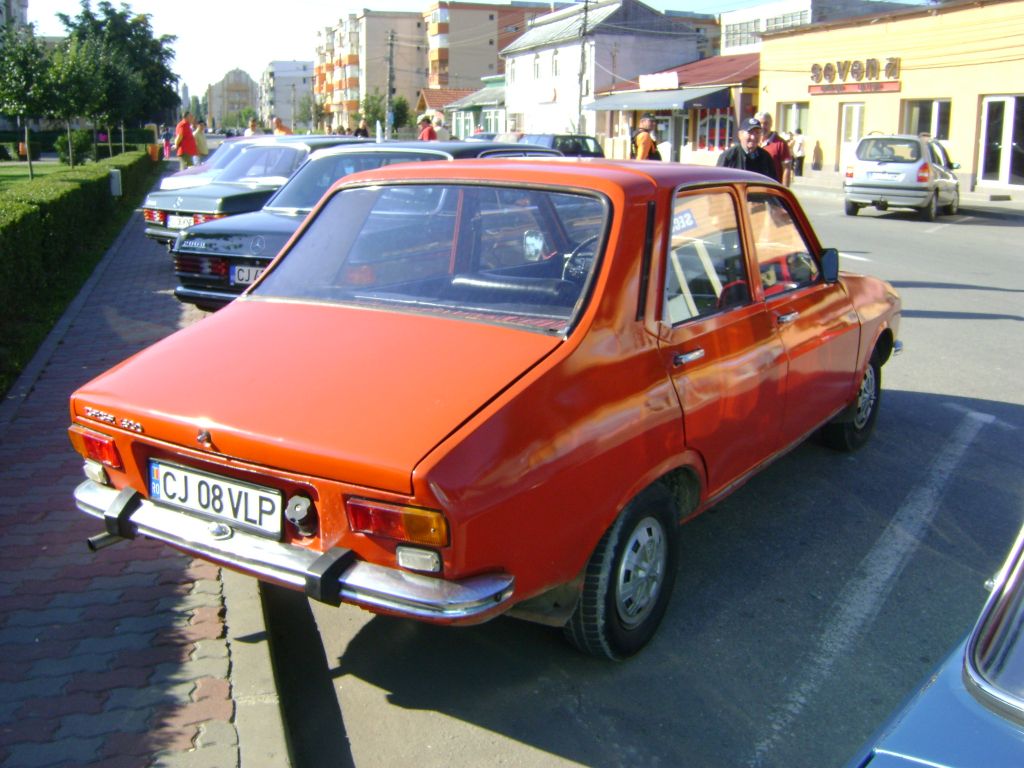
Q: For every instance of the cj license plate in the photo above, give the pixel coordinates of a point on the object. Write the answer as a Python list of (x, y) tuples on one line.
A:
[(241, 505), (245, 275), (179, 222), (882, 175)]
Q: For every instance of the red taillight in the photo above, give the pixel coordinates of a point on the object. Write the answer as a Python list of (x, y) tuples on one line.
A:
[(849, 171), (202, 218), (95, 446), (154, 216), (924, 173), (418, 526), (200, 265)]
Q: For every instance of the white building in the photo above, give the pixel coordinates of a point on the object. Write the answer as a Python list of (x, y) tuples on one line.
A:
[(554, 69), (286, 91), (13, 12)]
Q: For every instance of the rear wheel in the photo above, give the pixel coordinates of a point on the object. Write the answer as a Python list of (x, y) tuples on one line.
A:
[(629, 580), (930, 210), (851, 208), (854, 426)]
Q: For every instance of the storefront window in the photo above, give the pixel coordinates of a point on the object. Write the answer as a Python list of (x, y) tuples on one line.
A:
[(929, 116), (793, 115), (714, 129)]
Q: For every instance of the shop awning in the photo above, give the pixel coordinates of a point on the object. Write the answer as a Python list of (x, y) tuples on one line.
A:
[(675, 99)]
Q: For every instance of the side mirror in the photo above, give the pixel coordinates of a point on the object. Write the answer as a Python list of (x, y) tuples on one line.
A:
[(830, 265), (955, 166)]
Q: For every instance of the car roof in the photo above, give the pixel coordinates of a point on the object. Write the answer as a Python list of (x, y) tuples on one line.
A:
[(582, 172), (454, 148)]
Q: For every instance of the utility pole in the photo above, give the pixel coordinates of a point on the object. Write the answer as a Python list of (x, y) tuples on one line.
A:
[(583, 66), (388, 117)]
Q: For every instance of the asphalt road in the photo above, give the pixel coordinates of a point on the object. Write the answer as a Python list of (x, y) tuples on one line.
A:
[(808, 604)]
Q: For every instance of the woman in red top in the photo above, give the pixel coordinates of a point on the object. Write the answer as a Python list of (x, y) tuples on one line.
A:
[(184, 141), (427, 132)]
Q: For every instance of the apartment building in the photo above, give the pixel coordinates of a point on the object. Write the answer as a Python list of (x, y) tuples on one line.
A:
[(286, 91), (226, 98)]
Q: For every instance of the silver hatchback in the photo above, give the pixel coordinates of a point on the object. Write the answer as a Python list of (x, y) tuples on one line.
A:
[(902, 172)]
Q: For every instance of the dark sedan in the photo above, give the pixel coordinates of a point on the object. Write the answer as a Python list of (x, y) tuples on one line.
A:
[(218, 260), (245, 184)]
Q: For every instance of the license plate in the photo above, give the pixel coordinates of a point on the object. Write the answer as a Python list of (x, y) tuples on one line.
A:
[(245, 275), (241, 505), (886, 176), (179, 222)]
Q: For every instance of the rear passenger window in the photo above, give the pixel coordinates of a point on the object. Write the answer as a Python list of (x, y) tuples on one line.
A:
[(705, 271)]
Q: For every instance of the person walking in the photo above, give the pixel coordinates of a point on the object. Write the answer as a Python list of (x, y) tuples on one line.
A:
[(253, 129), (362, 131), (798, 152), (645, 147), (776, 148), (202, 147), (427, 132), (747, 153), (184, 141)]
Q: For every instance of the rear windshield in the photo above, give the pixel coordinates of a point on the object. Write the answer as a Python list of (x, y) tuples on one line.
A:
[(483, 253), (889, 150), (255, 163)]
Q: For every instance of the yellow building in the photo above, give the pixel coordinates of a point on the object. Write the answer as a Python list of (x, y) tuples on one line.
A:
[(952, 70)]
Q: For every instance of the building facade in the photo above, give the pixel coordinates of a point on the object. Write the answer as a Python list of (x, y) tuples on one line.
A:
[(229, 97), (554, 70), (364, 53), (13, 12), (952, 71), (286, 91)]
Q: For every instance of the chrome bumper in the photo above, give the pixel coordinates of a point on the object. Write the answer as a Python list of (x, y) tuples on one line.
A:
[(332, 577)]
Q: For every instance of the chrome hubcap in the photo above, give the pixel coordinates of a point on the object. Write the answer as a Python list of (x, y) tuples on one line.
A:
[(865, 398), (641, 572)]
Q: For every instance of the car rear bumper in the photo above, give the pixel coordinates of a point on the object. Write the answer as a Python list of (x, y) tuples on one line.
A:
[(161, 234), (332, 577), (902, 197), (203, 297)]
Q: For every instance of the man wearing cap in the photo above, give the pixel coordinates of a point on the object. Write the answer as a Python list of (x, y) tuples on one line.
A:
[(427, 132), (747, 154), (644, 146)]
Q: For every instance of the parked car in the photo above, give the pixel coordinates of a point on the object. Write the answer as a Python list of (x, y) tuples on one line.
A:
[(216, 261), (902, 172), (479, 387), (204, 173), (970, 711), (569, 144), (245, 184)]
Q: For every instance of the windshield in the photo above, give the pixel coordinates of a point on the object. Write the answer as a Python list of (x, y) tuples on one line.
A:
[(889, 150), (264, 162), (313, 179), (514, 255)]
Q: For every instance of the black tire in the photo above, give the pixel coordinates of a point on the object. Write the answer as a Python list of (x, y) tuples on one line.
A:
[(851, 208), (954, 205), (629, 580), (853, 427), (931, 210)]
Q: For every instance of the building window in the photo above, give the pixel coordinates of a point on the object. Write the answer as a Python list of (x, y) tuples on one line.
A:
[(536, 67), (744, 33), (927, 116), (785, 21), (793, 115), (554, 63), (714, 129)]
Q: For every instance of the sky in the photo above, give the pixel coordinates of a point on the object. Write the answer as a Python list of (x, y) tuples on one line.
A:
[(216, 36)]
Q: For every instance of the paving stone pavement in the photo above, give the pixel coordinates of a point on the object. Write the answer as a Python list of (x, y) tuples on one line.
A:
[(122, 657)]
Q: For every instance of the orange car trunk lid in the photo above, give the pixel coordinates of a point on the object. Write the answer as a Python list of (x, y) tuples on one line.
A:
[(351, 394)]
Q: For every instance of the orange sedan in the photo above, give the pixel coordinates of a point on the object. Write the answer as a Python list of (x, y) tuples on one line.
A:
[(493, 386)]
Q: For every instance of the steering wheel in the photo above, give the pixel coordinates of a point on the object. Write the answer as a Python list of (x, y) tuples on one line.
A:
[(579, 261)]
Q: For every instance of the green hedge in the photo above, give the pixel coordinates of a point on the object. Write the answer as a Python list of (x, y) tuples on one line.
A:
[(51, 231)]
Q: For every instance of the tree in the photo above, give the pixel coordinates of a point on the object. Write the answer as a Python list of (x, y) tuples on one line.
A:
[(24, 88), (74, 73), (128, 38), (400, 109), (373, 108)]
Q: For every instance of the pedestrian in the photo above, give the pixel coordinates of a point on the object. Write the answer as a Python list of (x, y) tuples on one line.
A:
[(746, 153), (253, 129), (442, 133), (776, 148), (362, 130), (184, 141), (280, 129), (166, 136), (645, 146), (202, 147), (427, 132), (798, 152)]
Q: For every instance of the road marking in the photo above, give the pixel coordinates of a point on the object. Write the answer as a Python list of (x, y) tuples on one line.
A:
[(863, 596), (853, 258)]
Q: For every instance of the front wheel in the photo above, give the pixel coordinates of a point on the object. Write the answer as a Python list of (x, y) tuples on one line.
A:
[(854, 426), (628, 580)]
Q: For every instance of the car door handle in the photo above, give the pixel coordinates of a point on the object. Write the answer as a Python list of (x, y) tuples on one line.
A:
[(789, 317), (687, 357)]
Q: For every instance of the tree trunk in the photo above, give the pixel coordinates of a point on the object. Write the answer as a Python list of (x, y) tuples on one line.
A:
[(71, 148), (28, 154)]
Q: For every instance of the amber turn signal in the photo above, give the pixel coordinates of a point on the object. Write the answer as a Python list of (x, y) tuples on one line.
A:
[(418, 526)]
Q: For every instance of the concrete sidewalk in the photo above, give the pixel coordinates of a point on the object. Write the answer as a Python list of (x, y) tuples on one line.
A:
[(137, 655)]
